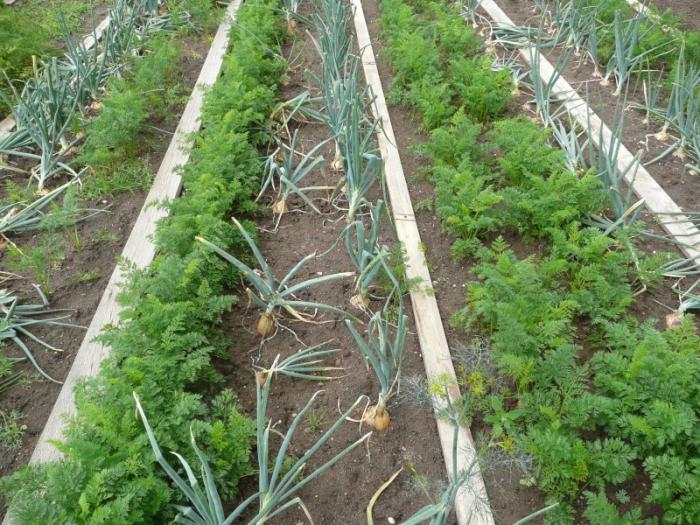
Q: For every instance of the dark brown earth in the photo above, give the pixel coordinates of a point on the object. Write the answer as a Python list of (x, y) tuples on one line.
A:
[(101, 240), (341, 495)]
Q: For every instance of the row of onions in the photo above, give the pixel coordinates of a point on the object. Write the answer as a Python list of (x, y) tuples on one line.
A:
[(45, 110), (343, 106)]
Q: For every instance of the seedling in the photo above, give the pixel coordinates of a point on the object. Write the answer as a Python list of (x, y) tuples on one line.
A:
[(384, 352), (271, 295)]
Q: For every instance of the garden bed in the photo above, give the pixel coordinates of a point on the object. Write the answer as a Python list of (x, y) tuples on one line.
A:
[(73, 264), (579, 389), (638, 131)]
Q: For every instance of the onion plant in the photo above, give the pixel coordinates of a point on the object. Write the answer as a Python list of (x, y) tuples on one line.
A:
[(384, 352), (682, 111), (17, 321), (291, 13), (43, 110), (280, 476), (363, 166), (626, 57), (8, 379), (576, 24), (363, 248), (91, 65), (304, 364), (572, 142), (543, 89), (272, 295), (469, 8), (25, 216), (332, 22), (605, 160), (690, 298), (282, 165)]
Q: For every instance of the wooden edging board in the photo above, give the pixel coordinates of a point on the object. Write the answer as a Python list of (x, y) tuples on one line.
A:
[(472, 501), (657, 201), (8, 123), (139, 249)]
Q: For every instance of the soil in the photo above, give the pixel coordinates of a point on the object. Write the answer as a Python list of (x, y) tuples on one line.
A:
[(638, 135), (78, 284), (342, 494)]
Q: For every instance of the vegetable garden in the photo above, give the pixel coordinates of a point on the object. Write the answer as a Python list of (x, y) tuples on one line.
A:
[(382, 261)]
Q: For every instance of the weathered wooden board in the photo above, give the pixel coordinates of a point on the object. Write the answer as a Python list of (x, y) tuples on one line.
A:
[(472, 504), (139, 249), (655, 197)]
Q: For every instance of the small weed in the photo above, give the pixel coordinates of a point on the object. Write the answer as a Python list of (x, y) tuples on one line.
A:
[(87, 277), (39, 260), (130, 177), (103, 234), (315, 421), (11, 431)]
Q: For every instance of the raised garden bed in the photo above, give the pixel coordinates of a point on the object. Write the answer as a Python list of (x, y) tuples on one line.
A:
[(570, 320)]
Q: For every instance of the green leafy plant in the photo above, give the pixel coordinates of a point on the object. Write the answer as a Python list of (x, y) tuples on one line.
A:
[(11, 431)]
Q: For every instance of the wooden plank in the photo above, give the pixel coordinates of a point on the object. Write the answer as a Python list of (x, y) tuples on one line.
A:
[(139, 248), (472, 502), (657, 200), (8, 123)]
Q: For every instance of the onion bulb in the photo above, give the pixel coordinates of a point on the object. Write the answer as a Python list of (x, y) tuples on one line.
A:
[(291, 26), (360, 301), (279, 207), (266, 323), (674, 320), (377, 417)]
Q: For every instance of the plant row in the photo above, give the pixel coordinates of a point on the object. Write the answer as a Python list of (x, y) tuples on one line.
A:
[(624, 45), (118, 140), (560, 371), (162, 348)]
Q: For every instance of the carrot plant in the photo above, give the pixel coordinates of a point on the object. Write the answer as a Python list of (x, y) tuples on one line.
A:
[(164, 344), (588, 423)]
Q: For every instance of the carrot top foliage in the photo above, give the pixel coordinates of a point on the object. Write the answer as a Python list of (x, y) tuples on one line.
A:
[(590, 394), (163, 345)]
